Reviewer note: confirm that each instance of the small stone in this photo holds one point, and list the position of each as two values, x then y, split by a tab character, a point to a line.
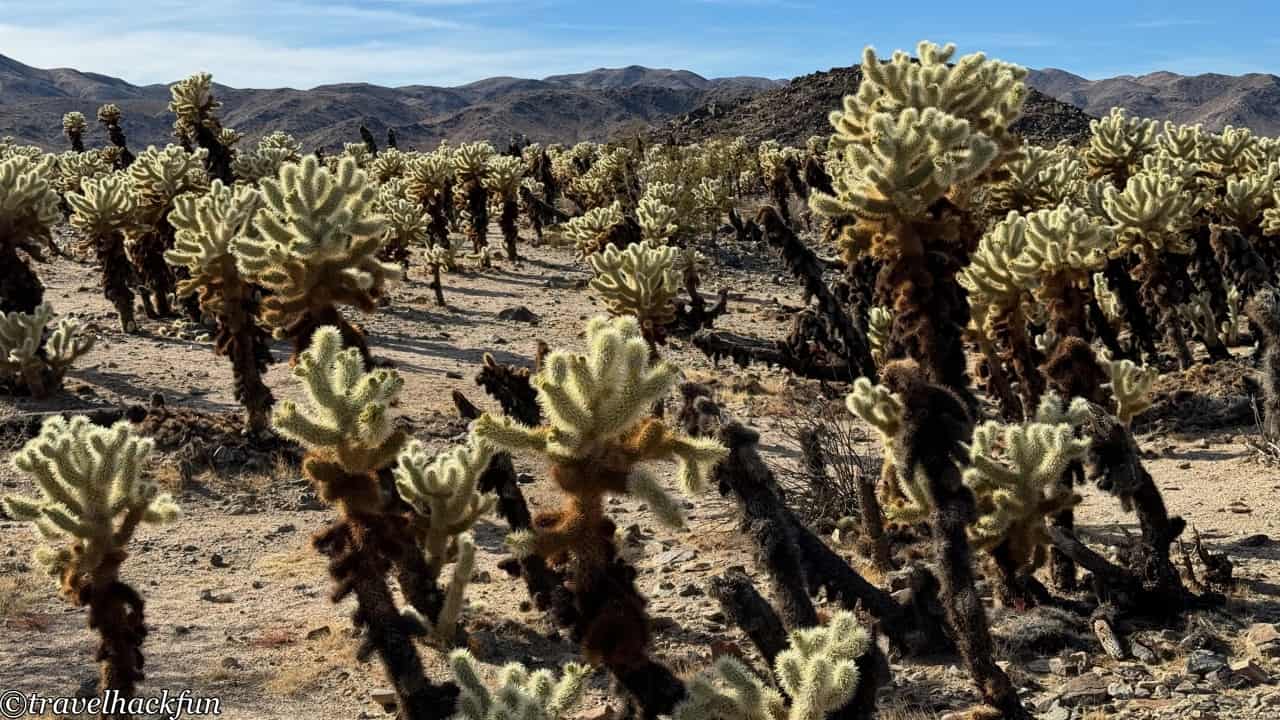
1085	691
1205	662
1056	712
1120	691
1249	671
217	561
321	632
230	663
1264	639
602	712
384	697
519	313
1142	652
208	595
284	529
691	590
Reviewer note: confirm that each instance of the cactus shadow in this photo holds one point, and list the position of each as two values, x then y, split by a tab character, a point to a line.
138	389
444	349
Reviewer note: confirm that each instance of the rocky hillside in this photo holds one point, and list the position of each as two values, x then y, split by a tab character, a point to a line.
565	108
1251	101
799	109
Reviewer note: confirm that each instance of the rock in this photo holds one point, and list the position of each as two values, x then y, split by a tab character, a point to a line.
321	632
217	561
1142	652
385	697
231	663
1205	662
1120	690
691	590
453	375
519	313
1056	712
208	595
1264	639
1253	541
482	643
1249	671
1085	691
602	712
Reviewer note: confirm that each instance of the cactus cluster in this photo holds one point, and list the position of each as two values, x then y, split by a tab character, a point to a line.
34	358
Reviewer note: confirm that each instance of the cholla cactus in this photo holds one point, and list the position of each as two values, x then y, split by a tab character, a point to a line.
428	181
73	168
1185	142
93	497
439	259
197	125
109	115
774	165
157	178
1064	247
1248	198
518	694
1015	473
1130	386
1230	327
600	438
657	219
406	228
818	672
589	231
1117	144
272	152
32	362
1198	313
900	195
318	248
471	167
28	211
1039	178
443	493
206	229
388	165
73	126
502	180
640	281
1228	152
104	212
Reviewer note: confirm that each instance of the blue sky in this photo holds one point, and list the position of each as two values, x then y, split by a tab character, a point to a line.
303	43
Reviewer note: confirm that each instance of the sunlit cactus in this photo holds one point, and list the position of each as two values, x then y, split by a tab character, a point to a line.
589	231
33	362
1064	247
1117	144
428	180
73	126
104	212
406	228
272	152
207	227
517	693
93	497
1039	178
197	124
110	117
657	219
640	281
471	167
816	676
1248	198
29	208
317	248
503	178
1131	387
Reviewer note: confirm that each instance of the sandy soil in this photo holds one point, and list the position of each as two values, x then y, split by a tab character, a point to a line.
238	601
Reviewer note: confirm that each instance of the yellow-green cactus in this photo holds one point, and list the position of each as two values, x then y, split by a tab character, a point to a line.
587	231
443	492
29	208
1182	141
657	219
640	281
1117	144
818	672
192	101
30	361
518	694
1228	152
1015	471
1130	386
272	153
104	211
318	245
879	320
1152	214
93	493
1039	178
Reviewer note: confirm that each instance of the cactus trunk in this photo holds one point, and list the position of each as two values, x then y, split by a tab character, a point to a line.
116	612
20	287
507	221
1131	308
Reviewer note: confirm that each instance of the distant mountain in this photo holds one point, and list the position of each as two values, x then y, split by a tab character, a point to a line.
1251	101
793	112
565	108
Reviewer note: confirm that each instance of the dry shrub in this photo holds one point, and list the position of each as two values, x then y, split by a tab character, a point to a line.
833	454
305	666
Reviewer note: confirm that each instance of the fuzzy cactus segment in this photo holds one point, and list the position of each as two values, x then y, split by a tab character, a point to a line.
518	693
818	672
33	362
443	492
1131	386
640	281
206	228
347	426
1014	474
29	208
93	493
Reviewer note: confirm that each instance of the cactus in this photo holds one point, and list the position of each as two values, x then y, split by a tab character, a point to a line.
93	497
197	124
272	152
317	248
73	126
110	117
103	211
1039	178
1064	247
816	671
899	196
32	362
206	229
640	281
1263	308
471	167
1117	144
28	210
879	320
503	178
1015	473
443	493
657	219
589	231
406	227
1130	385
518	693
351	443
157	178
428	180
600	438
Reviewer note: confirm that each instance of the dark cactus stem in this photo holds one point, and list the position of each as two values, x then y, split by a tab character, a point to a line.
116	276
116	135
744	607
477	200
1021	355
20	287
1120	280
1100	327
157	273
392	141
316	318
436	286
510	232
116	612
77	140
359	564
218	162
369	143
936	424
1207	274
249	347
1264	312
816	177
780	192
1164	289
